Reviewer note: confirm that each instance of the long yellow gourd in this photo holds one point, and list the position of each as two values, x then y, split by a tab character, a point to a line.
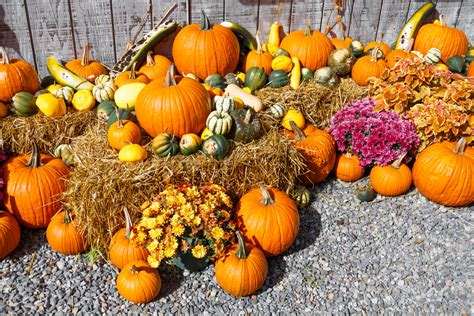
274	36
295	78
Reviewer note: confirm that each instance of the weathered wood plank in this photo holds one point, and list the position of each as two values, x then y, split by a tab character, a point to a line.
329	17
450	10
213	8
395	12
14	34
306	11
51	29
243	12
92	22
271	11
465	20
365	20
161	6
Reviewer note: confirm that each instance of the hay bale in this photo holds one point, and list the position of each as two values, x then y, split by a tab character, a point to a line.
100	185
18	132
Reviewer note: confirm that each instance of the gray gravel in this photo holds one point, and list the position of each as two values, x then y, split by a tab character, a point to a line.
402	254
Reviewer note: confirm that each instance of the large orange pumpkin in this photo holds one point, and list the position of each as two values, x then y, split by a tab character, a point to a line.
89	69
450	41
444	172
64	236
205	49
9	234
367	67
391	180
34	184
16	76
311	47
173	108
138	282
269	219
258	58
155	66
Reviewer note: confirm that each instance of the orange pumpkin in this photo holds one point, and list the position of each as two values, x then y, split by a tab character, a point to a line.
450	41
3	110
131	76
205	49
443	173
367	67
123	132
34	184
269	219
391	180
155	66
258	58
16	76
89	69
241	269
347	168
311	47
138	282
173	108
121	249
396	55
341	43
385	48
470	70
9	234
63	235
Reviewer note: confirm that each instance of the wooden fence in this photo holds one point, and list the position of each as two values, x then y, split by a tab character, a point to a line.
36	29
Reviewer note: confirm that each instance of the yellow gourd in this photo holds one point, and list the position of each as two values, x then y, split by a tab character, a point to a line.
282	63
132	153
206	133
83	100
295	78
295	116
126	96
53	87
50	105
274	35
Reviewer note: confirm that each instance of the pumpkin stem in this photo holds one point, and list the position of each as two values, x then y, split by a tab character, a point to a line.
119	119
266	197
442	21
134	269
375	53
259	43
128	223
460	146
308	31
241	250
149	59
205	23
35	158
5	60
170	81
133	73
67	217
396	164
248	117
85	55
299	133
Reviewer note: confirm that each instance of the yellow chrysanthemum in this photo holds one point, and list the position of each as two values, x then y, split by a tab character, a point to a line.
151	247
172	242
175	219
141	236
169	252
178	230
217	233
145	205
147	212
155	206
159	220
199	251
197	221
154	263
155	233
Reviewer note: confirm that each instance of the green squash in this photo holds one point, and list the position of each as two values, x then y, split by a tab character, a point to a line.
357	48
189	144
66	153
456	64
123	114
365	193
216	146
215	81
246	127
278	78
281	52
224	103
104	109
219	122
165	144
255	78
277	110
24	104
301	196
306	74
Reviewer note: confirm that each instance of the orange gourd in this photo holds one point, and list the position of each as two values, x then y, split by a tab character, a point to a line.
347	168
84	67
269	219
341	43
450	41
444	172
16	76
205	49
34	184
385	48
391	180
9	234
367	67
310	46
131	76
138	282
63	235
123	132
3	110
173	108
241	269
155	66
470	70
122	250
258	58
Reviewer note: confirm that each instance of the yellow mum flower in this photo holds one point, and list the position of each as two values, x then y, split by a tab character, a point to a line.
178	230
141	236
217	233
159	220
156	233
172	242
169	252
151	247
147	212
199	251
154	263
197	221
145	205
175	220
155	206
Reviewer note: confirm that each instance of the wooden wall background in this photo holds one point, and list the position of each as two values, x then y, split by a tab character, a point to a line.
36	29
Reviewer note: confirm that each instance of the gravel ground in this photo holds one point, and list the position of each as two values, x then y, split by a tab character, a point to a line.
402	254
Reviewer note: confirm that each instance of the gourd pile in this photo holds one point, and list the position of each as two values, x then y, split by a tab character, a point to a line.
198	118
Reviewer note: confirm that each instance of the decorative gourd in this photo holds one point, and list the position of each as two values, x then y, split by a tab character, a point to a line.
450	41
9	234
103	79
53	87
219	122
131	76
85	67
224	103
301	196
295	77
105	109
455	64
33	184
206	49
121	249
278	110
367	67
123	132
123	114
443	173
66	153
215	81
24	104
281	52
206	133
311	47
255	78
365	193
165	144
83	100
191	106
16	76
441	66
470	70
66	93
132	153
357	48
248	99
347	168
232	78
50	105
384	48
278	78
246	126
269	219
306	74
126	97
189	144
283	63
3	110
319	152
155	66
433	56
327	77
216	146
138	282
258	58
341	60
293	115
241	269
63	235
391	180
104	91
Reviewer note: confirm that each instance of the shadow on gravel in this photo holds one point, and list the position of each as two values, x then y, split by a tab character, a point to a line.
31	241
276	272
171	279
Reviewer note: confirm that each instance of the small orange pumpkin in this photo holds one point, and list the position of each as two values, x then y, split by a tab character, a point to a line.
155	66
385	48
341	43
347	168
138	282
63	235
9	234
3	110
391	180
396	55
89	69
367	67
123	132
470	70
258	58
131	76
